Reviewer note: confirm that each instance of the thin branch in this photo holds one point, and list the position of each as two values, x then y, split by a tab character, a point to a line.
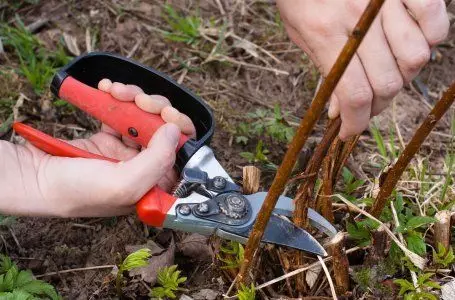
329	278
411	149
303	132
76	270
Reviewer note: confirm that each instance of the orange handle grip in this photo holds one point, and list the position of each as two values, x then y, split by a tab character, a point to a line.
125	117
152	208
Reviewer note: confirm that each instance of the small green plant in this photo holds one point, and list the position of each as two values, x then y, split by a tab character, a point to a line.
411	226
268	123
37	64
379	140
260	154
351	184
169	280
20	284
184	28
424	284
246	293
442	256
361	231
234	252
135	260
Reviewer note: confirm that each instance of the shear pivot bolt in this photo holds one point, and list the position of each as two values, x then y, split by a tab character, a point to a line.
185	210
219	182
133	132
203	208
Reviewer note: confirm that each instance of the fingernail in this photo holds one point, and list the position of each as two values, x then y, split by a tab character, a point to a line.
172	133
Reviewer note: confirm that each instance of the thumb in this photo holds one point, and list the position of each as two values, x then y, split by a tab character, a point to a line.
149	166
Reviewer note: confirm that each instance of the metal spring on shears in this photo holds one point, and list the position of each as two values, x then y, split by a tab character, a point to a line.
183	189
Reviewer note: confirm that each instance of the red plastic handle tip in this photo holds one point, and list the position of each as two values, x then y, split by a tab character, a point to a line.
154	206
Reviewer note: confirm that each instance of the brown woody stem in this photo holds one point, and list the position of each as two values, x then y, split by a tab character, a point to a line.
303	131
340	263
251	179
442	229
411	149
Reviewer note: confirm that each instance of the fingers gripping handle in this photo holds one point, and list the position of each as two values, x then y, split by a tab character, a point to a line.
152	208
124	117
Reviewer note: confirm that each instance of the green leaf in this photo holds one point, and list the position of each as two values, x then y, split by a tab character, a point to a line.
241	140
419	221
433	285
39	287
416	243
16	295
379	140
246	293
135	260
5	263
443	257
348	177
399	203
423	278
169	279
405	286
358	232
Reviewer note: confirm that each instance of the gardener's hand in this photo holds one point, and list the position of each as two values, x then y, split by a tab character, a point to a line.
392	53
35	183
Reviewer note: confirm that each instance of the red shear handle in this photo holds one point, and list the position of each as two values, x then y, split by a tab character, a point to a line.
124	117
151	209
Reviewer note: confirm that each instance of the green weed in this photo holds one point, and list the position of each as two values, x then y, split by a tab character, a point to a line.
351	184
260	154
232	255
20	284
246	293
443	257
169	279
134	260
424	284
361	231
184	28
266	123
380	144
37	63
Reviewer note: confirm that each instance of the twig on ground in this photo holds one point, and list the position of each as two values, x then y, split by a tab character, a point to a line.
76	270
21	250
36	25
329	278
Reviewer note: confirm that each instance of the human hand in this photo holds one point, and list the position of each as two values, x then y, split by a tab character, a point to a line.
392	53
77	187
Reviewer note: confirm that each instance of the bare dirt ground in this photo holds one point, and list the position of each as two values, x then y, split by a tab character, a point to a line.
257	67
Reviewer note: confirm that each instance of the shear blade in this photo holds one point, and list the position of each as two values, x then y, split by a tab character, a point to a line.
279	232
285	207
285	233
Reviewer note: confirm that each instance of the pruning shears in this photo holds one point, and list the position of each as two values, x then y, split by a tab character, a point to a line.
206	199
